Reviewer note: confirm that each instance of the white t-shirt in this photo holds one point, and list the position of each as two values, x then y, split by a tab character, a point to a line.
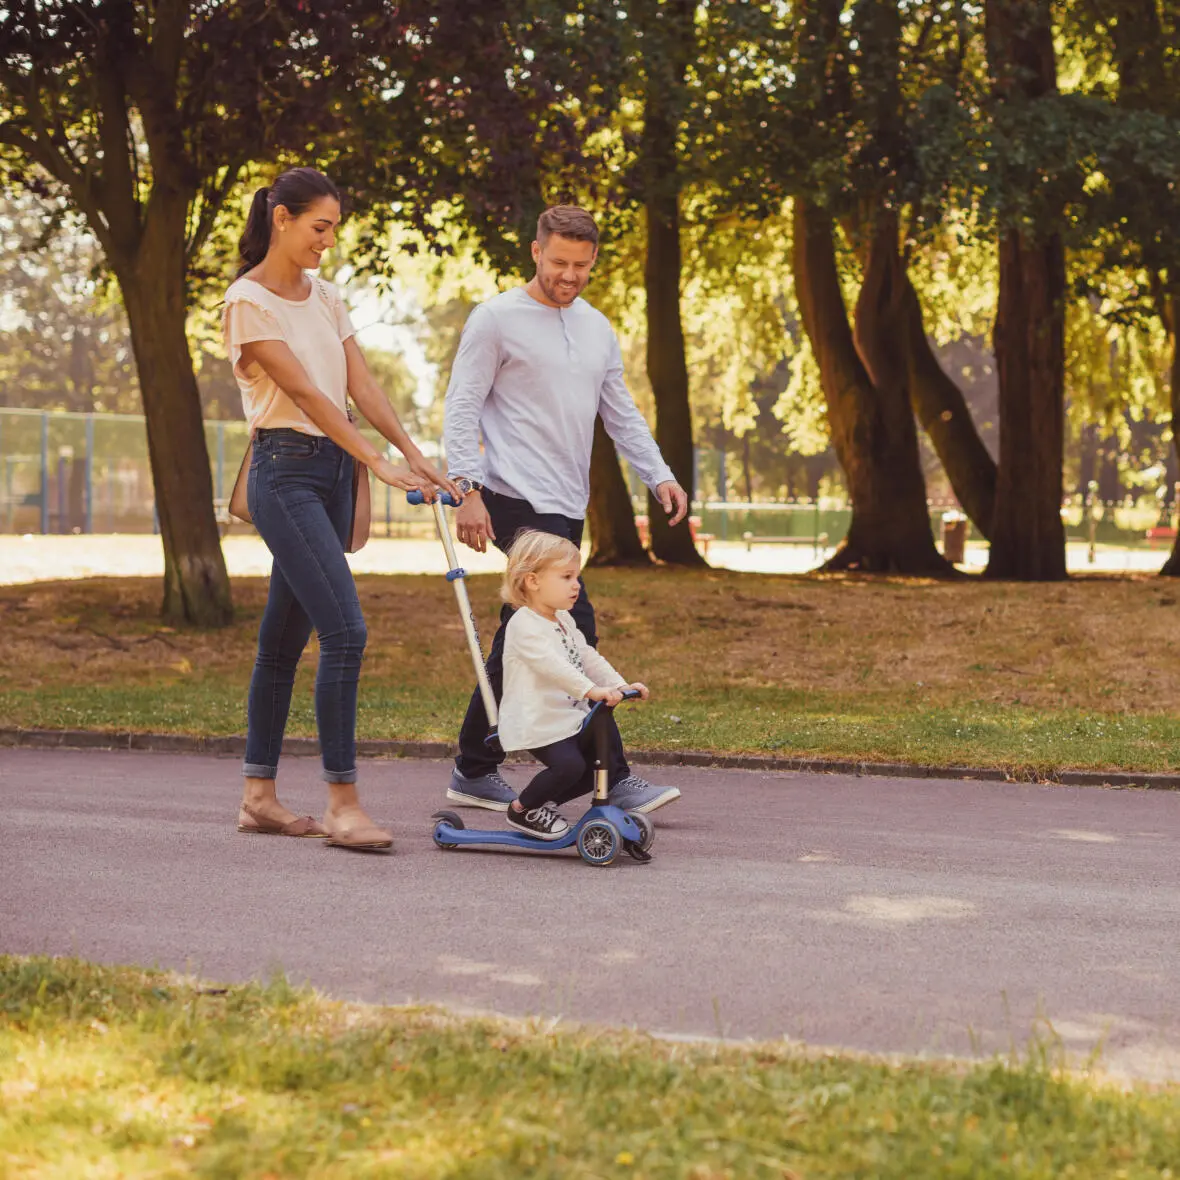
548	669
314	329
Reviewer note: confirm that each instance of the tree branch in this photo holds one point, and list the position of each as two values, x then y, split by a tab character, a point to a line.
39	152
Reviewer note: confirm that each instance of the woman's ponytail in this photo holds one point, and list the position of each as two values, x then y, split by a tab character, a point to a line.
255	239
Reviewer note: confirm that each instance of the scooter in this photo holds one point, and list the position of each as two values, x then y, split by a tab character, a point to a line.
605	832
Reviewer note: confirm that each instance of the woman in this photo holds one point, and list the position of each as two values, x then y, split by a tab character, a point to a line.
296	361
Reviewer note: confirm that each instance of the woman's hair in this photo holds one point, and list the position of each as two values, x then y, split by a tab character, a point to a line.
532	553
295	190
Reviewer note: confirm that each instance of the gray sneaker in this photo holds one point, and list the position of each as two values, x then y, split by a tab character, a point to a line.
636	794
487	790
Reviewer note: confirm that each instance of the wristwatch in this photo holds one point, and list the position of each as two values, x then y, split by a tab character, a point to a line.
466	486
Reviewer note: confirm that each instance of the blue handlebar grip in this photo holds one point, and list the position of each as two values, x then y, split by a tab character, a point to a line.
416	497
631	694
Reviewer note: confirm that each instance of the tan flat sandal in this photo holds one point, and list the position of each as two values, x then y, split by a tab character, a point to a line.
305	827
365	838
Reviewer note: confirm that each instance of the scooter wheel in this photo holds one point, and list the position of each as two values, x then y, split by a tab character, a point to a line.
599	843
447	817
647	828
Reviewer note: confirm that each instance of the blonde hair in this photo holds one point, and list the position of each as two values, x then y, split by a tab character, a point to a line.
533	552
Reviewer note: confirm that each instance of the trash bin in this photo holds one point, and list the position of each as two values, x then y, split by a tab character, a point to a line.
954	537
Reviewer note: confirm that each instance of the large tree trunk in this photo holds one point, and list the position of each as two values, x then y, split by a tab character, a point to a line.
942	410
1028	540
872	425
614	539
667	371
1171	313
196	584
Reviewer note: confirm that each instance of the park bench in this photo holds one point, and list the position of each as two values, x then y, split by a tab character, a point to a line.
1162	533
817	543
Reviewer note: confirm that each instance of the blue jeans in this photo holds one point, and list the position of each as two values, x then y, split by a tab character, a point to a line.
300	496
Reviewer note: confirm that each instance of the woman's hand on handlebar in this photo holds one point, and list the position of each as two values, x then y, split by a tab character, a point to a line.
424	469
404	478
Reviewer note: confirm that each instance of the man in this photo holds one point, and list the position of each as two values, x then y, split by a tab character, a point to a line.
535	366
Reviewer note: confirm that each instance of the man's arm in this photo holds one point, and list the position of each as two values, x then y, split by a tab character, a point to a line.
472	375
630	433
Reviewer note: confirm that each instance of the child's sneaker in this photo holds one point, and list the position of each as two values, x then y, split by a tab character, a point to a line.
543	822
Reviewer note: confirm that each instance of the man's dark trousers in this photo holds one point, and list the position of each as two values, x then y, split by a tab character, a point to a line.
509	517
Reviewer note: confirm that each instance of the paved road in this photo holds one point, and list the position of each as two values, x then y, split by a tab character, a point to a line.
885	915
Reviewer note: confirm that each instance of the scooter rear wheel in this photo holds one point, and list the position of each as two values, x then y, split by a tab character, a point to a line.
599	843
647	828
447	817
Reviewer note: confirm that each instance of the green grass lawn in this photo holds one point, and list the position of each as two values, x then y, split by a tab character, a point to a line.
110	1072
1026	677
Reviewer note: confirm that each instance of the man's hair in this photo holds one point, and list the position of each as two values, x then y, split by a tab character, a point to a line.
567	221
533	552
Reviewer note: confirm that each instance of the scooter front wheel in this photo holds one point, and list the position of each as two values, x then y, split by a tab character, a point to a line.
599	843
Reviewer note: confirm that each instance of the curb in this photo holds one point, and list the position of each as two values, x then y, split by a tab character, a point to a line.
86	739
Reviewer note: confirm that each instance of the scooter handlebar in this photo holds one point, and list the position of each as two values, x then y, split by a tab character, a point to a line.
416	497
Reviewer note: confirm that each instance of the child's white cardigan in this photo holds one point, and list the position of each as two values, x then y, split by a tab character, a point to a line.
548	669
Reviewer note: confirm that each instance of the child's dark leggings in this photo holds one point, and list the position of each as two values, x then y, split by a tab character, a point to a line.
569	767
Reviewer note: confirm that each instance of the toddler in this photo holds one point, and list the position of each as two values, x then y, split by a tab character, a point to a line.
551	674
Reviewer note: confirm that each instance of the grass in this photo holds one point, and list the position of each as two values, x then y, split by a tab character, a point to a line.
1025	677
109	1072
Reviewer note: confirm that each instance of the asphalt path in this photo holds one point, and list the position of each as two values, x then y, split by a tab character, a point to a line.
885	915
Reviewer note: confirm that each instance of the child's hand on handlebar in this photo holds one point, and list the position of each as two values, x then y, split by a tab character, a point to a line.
642	689
608	696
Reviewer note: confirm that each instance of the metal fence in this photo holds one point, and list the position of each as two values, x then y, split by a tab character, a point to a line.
89	473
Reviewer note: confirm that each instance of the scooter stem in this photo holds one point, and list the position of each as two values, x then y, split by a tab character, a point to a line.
456	575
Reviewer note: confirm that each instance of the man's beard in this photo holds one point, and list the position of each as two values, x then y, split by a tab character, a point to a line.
550	287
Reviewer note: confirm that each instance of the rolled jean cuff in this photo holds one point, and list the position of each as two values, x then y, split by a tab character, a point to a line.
257	770
340	776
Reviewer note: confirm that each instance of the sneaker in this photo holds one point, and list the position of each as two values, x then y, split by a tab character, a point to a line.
636	794
486	790
542	822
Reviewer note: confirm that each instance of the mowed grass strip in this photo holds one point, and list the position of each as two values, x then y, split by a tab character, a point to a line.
109	1072
1027	677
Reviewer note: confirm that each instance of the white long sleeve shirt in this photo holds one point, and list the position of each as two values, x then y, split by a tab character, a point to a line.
548	669
531	379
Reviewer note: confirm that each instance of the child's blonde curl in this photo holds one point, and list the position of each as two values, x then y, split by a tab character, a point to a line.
534	552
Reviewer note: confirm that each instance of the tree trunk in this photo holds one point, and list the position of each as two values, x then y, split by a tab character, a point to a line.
871	421
1028	538
673	44
1028	541
1171	313
196	584
667	371
614	539
942	411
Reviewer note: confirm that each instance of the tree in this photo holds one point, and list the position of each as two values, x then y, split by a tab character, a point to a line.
668	40
865	377
1028	540
142	118
64	344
